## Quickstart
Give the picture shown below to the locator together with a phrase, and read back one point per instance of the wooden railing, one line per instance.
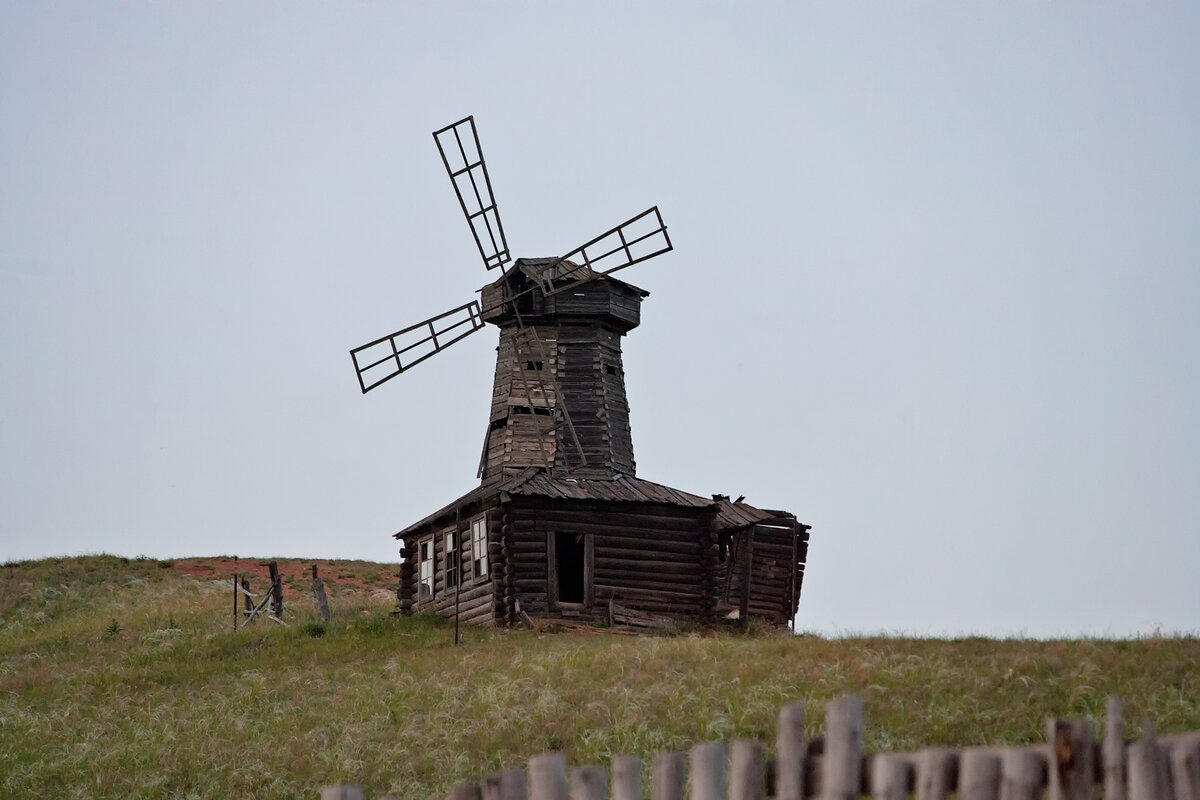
(1071, 765)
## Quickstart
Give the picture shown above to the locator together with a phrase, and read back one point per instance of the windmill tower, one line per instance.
(560, 525)
(558, 401)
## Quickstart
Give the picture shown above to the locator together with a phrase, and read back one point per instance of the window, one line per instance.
(611, 369)
(534, 366)
(452, 560)
(479, 546)
(425, 585)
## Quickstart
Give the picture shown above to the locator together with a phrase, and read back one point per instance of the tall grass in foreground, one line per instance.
(172, 703)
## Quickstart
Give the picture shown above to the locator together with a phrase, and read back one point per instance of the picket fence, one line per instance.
(1070, 765)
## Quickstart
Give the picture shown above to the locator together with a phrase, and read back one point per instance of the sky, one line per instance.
(935, 285)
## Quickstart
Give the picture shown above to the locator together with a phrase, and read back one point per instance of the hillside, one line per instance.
(122, 678)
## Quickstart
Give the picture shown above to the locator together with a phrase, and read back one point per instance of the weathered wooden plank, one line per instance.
(588, 783)
(667, 776)
(890, 776)
(1072, 763)
(465, 791)
(841, 774)
(1113, 750)
(935, 777)
(626, 778)
(790, 749)
(747, 770)
(979, 775)
(1021, 775)
(548, 777)
(708, 771)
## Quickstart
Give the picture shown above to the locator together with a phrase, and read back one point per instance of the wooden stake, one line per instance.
(747, 770)
(1113, 753)
(465, 791)
(978, 776)
(588, 783)
(1072, 767)
(319, 596)
(933, 773)
(666, 778)
(1185, 769)
(790, 749)
(341, 793)
(626, 778)
(1021, 775)
(841, 776)
(708, 771)
(889, 777)
(513, 785)
(548, 777)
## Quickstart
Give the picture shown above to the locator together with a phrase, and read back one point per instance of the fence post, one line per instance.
(1144, 770)
(276, 590)
(548, 777)
(708, 771)
(1072, 767)
(1113, 750)
(935, 777)
(789, 753)
(341, 793)
(319, 596)
(978, 775)
(1185, 769)
(1020, 775)
(666, 776)
(464, 791)
(589, 783)
(890, 777)
(513, 785)
(626, 778)
(747, 769)
(841, 775)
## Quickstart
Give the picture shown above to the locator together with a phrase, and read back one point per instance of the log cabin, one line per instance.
(560, 525)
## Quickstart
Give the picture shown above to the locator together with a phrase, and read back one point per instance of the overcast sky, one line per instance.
(935, 287)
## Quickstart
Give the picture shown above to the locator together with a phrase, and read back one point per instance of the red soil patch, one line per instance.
(337, 575)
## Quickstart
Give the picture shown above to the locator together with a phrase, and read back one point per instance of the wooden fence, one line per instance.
(1071, 765)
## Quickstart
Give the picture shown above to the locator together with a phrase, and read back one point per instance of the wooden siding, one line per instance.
(478, 597)
(776, 572)
(653, 558)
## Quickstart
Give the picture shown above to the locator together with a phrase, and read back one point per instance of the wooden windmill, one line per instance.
(560, 525)
(559, 397)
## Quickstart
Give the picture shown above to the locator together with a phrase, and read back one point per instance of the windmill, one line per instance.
(561, 320)
(560, 525)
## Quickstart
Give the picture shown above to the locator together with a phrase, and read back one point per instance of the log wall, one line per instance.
(776, 572)
(477, 597)
(644, 556)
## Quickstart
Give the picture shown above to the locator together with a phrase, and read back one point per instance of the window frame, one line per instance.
(452, 561)
(424, 579)
(479, 547)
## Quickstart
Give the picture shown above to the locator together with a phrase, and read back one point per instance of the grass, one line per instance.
(169, 702)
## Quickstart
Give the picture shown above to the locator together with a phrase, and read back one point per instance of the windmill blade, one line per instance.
(636, 239)
(463, 157)
(383, 359)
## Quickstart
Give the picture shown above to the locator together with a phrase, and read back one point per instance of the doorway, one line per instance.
(570, 560)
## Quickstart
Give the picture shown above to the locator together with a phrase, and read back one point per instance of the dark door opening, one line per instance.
(569, 561)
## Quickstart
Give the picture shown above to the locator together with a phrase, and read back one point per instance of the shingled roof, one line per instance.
(537, 482)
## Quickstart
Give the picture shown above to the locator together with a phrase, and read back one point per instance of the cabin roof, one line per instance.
(537, 268)
(537, 482)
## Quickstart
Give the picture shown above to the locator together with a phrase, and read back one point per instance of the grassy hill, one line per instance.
(121, 678)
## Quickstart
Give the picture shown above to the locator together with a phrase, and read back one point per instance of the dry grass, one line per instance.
(177, 705)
